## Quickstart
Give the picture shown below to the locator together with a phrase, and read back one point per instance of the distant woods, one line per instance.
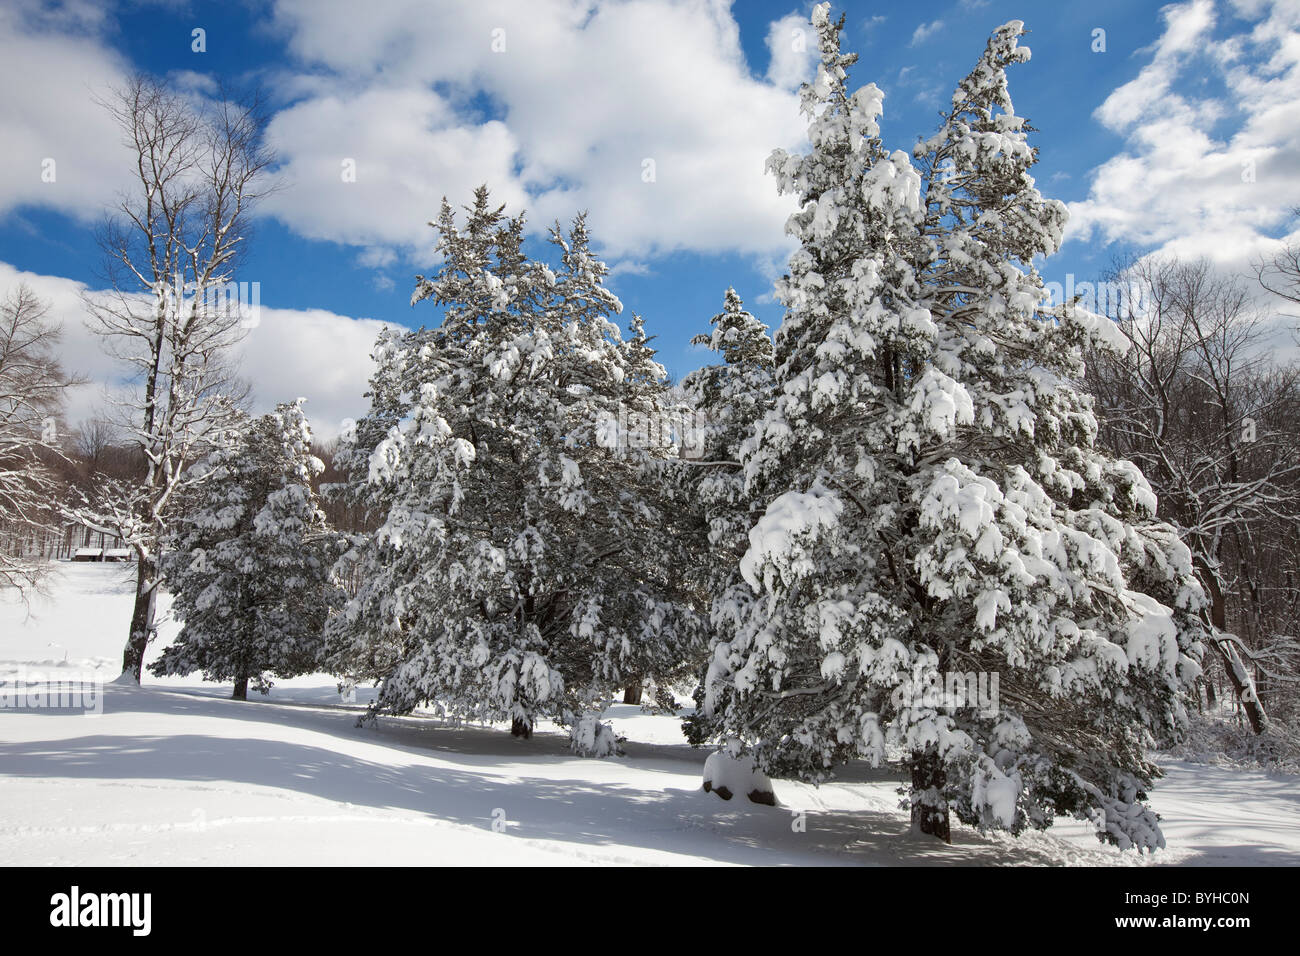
(1207, 403)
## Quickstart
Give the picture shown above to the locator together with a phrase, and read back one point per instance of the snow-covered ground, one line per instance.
(172, 772)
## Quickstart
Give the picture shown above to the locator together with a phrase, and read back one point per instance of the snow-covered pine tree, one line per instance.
(729, 398)
(937, 505)
(659, 418)
(515, 576)
(250, 562)
(725, 400)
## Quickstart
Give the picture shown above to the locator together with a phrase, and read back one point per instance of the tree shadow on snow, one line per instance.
(461, 775)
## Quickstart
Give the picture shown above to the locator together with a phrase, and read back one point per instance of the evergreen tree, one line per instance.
(733, 395)
(250, 563)
(724, 401)
(728, 399)
(936, 504)
(516, 575)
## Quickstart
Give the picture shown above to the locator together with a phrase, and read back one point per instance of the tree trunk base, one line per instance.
(241, 689)
(929, 808)
(521, 728)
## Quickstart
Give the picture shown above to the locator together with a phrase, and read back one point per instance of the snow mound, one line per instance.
(727, 776)
(784, 537)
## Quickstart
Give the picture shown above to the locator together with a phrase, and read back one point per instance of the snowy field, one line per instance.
(173, 773)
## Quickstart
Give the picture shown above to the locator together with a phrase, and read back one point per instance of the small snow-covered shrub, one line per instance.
(592, 738)
(727, 776)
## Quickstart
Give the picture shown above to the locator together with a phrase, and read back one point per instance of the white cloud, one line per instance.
(792, 44)
(291, 353)
(1150, 93)
(1214, 174)
(645, 114)
(311, 353)
(629, 267)
(188, 81)
(925, 31)
(926, 90)
(582, 93)
(370, 168)
(79, 351)
(52, 69)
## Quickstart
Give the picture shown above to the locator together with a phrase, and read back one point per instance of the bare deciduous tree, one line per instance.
(171, 248)
(32, 385)
(1280, 273)
(1199, 404)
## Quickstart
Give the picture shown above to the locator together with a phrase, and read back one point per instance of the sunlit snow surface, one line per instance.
(173, 772)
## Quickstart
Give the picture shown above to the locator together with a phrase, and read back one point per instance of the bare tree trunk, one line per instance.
(142, 619)
(241, 688)
(178, 237)
(1243, 687)
(521, 728)
(632, 693)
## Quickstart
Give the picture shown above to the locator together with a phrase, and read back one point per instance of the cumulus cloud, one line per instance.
(645, 114)
(61, 149)
(792, 46)
(1214, 174)
(311, 353)
(370, 168)
(629, 267)
(291, 353)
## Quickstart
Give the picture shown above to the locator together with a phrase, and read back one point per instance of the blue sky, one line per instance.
(557, 104)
